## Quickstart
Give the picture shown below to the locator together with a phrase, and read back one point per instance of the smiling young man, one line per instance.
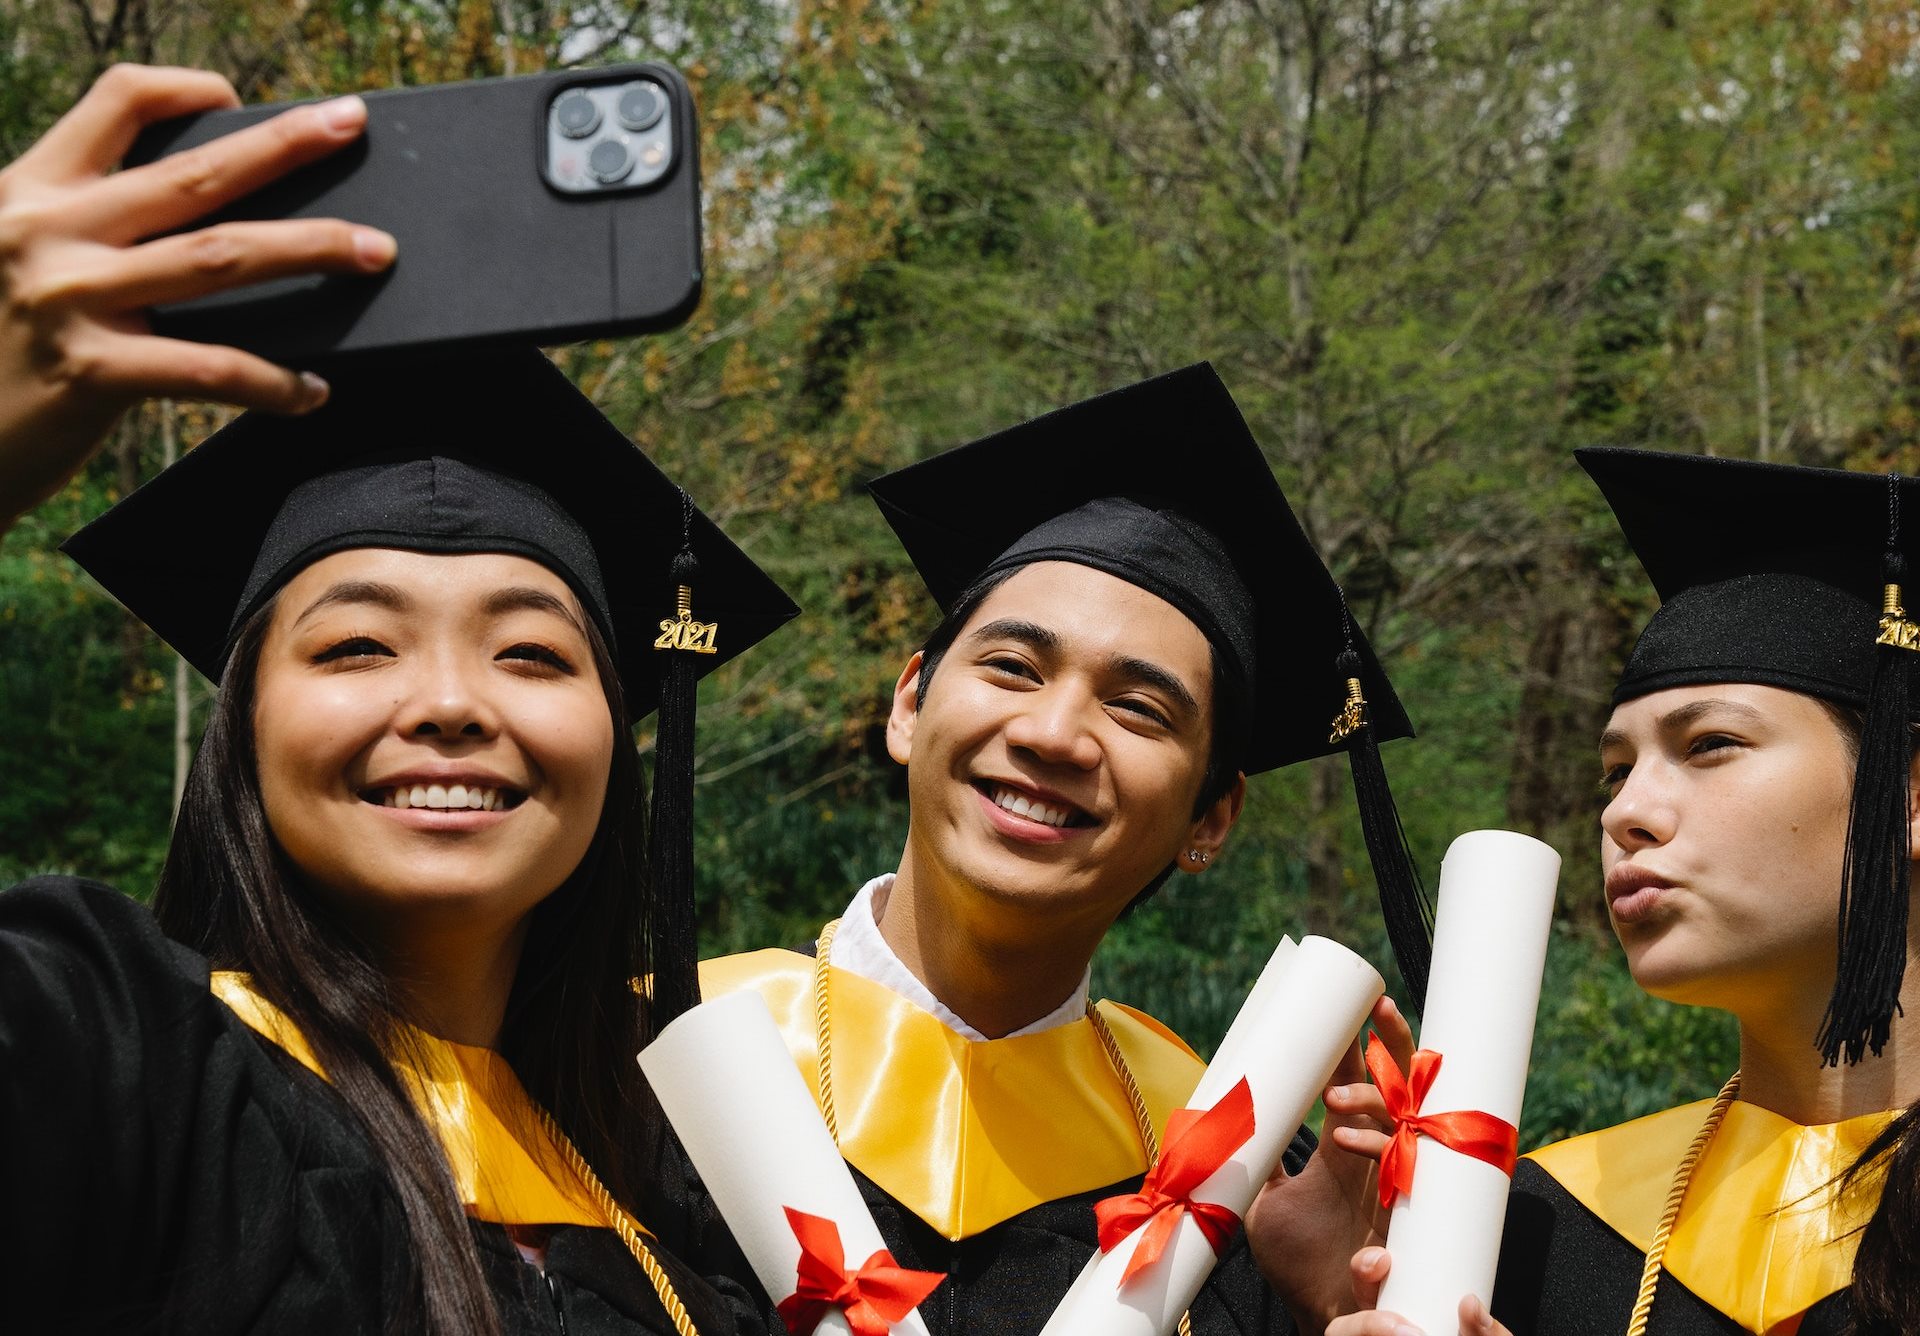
(1112, 662)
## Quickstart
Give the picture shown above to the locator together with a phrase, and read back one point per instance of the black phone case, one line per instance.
(489, 251)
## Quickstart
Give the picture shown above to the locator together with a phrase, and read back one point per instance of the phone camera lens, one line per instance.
(609, 161)
(641, 106)
(576, 114)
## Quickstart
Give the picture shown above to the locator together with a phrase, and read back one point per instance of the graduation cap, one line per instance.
(493, 452)
(1792, 577)
(1161, 484)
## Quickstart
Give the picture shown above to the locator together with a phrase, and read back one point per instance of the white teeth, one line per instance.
(438, 797)
(1020, 805)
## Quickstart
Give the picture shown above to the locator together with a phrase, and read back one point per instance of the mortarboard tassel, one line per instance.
(671, 927)
(1403, 897)
(1875, 875)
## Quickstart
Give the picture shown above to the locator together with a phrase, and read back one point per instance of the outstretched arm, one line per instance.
(82, 255)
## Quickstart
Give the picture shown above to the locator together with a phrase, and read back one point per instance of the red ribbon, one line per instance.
(876, 1296)
(1480, 1135)
(1198, 1142)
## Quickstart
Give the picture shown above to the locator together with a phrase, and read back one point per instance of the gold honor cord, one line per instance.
(1670, 1216)
(823, 1039)
(622, 1224)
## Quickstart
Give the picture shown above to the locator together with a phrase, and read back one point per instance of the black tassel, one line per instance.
(1874, 880)
(1403, 896)
(674, 938)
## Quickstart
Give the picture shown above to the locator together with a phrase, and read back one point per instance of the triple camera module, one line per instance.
(609, 136)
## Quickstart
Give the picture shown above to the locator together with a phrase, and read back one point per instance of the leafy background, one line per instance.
(1431, 245)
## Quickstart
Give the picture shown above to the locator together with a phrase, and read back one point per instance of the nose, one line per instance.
(445, 700)
(1052, 725)
(1641, 814)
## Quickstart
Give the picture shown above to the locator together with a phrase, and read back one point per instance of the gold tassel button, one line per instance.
(1353, 717)
(1895, 629)
(683, 632)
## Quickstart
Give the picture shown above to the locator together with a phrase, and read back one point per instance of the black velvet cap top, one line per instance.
(1767, 573)
(493, 452)
(1160, 484)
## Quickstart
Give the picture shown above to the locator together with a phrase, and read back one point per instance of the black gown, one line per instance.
(1006, 1278)
(163, 1168)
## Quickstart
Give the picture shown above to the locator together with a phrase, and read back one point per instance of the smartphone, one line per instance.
(545, 209)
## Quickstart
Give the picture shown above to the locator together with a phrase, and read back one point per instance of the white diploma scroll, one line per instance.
(1303, 1012)
(1489, 949)
(729, 1087)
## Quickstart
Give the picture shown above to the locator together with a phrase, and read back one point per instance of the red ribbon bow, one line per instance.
(1198, 1142)
(1480, 1135)
(875, 1297)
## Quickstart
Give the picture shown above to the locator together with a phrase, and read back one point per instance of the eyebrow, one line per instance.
(525, 598)
(1144, 671)
(1682, 715)
(387, 596)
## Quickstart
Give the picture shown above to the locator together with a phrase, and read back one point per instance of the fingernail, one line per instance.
(343, 113)
(373, 248)
(1403, 1329)
(316, 389)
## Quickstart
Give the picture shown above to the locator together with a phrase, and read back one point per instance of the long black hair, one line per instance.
(573, 1020)
(1884, 1299)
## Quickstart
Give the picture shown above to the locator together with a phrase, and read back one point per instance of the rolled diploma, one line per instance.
(729, 1087)
(1489, 948)
(1300, 1017)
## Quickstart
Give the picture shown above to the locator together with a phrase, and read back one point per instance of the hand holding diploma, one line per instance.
(1159, 1245)
(1446, 1169)
(729, 1087)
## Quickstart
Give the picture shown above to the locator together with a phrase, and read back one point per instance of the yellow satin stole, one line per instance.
(969, 1133)
(505, 1169)
(1763, 1235)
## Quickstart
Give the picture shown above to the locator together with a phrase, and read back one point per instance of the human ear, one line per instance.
(1209, 832)
(906, 709)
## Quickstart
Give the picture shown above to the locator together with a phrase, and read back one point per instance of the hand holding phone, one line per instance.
(76, 270)
(539, 209)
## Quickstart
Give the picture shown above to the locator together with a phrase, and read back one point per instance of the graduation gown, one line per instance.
(1761, 1245)
(165, 1167)
(982, 1160)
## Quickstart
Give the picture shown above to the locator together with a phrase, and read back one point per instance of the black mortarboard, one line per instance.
(1162, 485)
(492, 452)
(1790, 577)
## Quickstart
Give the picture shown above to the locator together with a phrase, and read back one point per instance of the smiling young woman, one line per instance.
(378, 1071)
(368, 1066)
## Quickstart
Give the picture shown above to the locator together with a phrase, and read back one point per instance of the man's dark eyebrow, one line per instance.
(1143, 671)
(1030, 634)
(1151, 674)
(525, 598)
(386, 596)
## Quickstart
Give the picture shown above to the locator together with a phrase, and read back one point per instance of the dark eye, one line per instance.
(1141, 709)
(545, 655)
(1009, 666)
(1711, 742)
(1612, 778)
(353, 647)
